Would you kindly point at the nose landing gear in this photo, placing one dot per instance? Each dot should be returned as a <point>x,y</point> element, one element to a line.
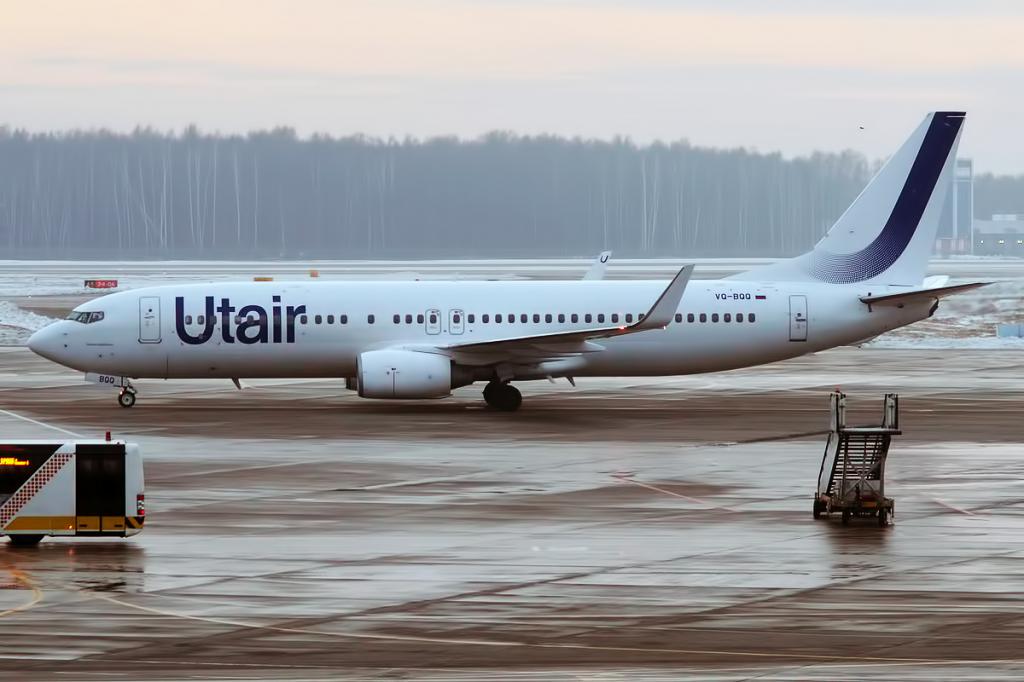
<point>126,398</point>
<point>502,396</point>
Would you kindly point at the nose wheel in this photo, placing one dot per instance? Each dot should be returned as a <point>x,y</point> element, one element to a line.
<point>126,398</point>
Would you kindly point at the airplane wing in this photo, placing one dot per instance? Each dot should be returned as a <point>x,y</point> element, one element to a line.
<point>599,267</point>
<point>917,295</point>
<point>555,345</point>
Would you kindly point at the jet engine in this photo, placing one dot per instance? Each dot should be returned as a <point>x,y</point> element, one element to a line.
<point>404,374</point>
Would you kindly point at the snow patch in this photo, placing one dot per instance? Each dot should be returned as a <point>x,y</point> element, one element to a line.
<point>16,325</point>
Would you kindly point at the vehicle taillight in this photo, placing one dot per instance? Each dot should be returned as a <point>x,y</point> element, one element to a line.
<point>140,505</point>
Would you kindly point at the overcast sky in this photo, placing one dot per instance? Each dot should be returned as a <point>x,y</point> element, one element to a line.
<point>790,75</point>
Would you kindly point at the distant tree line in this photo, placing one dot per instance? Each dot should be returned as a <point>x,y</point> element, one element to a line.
<point>272,194</point>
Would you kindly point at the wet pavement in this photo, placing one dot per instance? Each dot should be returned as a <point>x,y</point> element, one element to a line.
<point>625,529</point>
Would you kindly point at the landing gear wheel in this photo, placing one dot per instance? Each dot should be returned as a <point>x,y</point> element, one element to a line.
<point>25,540</point>
<point>491,391</point>
<point>883,518</point>
<point>511,399</point>
<point>846,517</point>
<point>819,508</point>
<point>126,398</point>
<point>504,397</point>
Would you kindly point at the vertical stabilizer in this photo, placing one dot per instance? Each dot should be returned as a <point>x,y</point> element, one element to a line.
<point>887,234</point>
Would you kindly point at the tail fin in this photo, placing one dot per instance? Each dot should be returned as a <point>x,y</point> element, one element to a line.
<point>887,234</point>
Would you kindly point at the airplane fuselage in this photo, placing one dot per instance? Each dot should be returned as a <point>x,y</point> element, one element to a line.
<point>319,329</point>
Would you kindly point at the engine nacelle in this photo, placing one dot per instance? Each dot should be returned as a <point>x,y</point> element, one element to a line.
<point>404,374</point>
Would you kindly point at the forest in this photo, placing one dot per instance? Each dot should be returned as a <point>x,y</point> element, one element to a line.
<point>274,194</point>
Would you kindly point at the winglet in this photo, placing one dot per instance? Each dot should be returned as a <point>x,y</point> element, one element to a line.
<point>664,309</point>
<point>597,269</point>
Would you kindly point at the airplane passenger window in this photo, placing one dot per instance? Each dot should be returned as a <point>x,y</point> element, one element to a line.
<point>714,317</point>
<point>319,319</point>
<point>703,317</point>
<point>188,319</point>
<point>497,318</point>
<point>433,318</point>
<point>640,317</point>
<point>739,317</point>
<point>524,318</point>
<point>485,318</point>
<point>615,318</point>
<point>727,317</point>
<point>511,318</point>
<point>679,317</point>
<point>369,319</point>
<point>574,318</point>
<point>397,319</point>
<point>561,317</point>
<point>689,317</point>
<point>408,318</point>
<point>750,317</point>
<point>419,319</point>
<point>201,320</point>
<point>303,319</point>
<point>547,318</point>
<point>629,317</point>
<point>456,318</point>
<point>343,319</point>
<point>471,318</point>
<point>330,319</point>
<point>600,317</point>
<point>588,317</point>
<point>536,318</point>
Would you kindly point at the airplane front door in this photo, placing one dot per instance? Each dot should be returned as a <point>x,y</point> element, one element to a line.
<point>797,318</point>
<point>149,319</point>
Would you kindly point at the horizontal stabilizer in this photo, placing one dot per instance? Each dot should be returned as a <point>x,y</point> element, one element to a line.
<point>934,293</point>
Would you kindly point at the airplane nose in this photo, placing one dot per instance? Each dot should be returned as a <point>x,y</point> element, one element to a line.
<point>46,342</point>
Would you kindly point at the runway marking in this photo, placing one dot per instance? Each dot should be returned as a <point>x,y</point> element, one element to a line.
<point>39,423</point>
<point>627,479</point>
<point>842,661</point>
<point>37,594</point>
<point>949,506</point>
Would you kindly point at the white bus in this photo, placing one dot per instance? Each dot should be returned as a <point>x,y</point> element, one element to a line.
<point>91,488</point>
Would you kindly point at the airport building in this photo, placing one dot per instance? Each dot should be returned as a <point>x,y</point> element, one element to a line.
<point>1003,235</point>
<point>956,222</point>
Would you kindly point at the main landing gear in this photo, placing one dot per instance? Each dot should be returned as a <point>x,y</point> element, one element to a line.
<point>502,396</point>
<point>126,398</point>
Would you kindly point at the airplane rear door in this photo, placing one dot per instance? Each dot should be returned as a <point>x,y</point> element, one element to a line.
<point>798,318</point>
<point>149,319</point>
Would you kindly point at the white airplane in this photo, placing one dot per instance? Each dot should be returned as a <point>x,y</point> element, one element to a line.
<point>422,339</point>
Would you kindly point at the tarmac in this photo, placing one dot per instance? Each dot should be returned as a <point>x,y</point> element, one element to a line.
<point>625,529</point>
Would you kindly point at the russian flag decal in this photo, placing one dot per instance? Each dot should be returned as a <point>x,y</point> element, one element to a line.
<point>760,297</point>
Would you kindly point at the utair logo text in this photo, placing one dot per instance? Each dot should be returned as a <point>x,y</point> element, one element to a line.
<point>253,325</point>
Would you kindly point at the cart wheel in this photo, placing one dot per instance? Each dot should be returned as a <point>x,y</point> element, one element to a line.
<point>819,508</point>
<point>846,517</point>
<point>25,540</point>
<point>883,518</point>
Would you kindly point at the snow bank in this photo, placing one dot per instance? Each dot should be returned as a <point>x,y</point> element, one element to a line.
<point>16,325</point>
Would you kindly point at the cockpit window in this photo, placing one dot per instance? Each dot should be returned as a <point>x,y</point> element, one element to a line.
<point>84,317</point>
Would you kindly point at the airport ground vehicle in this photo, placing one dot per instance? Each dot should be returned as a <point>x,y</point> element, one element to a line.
<point>89,488</point>
<point>851,480</point>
